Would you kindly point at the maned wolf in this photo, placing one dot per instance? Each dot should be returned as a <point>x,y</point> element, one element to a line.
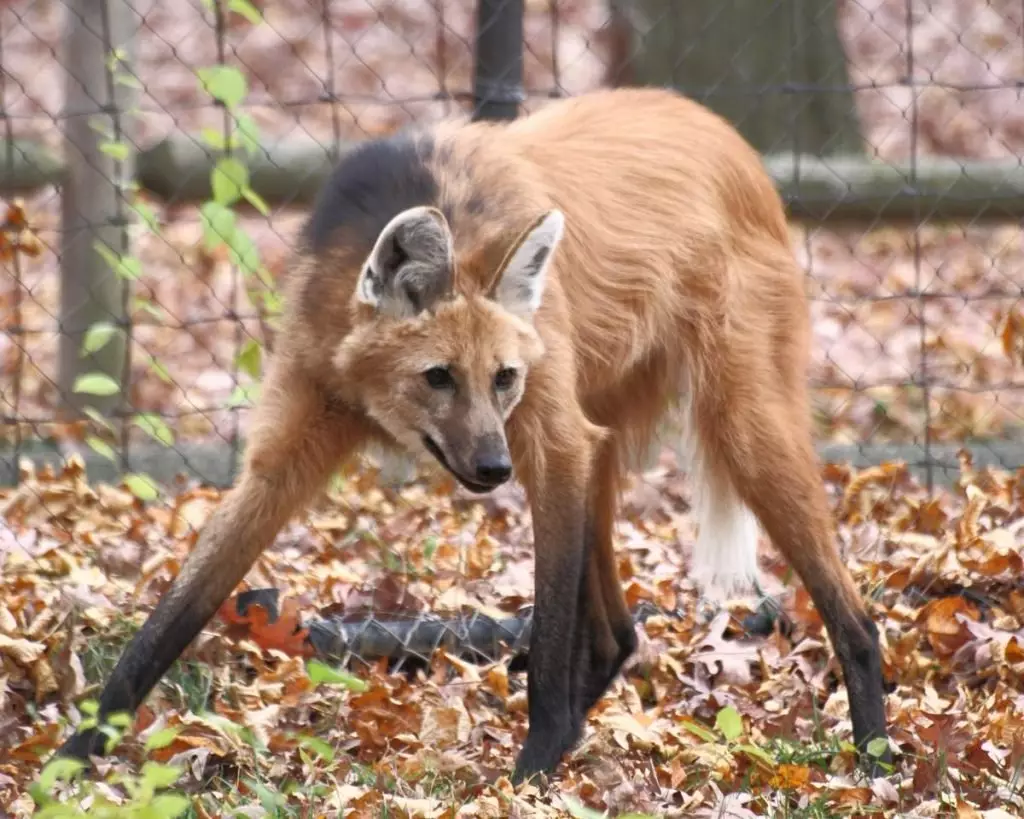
<point>537,298</point>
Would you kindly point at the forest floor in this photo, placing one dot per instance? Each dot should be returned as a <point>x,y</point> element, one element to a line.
<point>708,719</point>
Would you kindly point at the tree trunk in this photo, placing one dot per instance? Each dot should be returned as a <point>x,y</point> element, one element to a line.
<point>92,209</point>
<point>776,70</point>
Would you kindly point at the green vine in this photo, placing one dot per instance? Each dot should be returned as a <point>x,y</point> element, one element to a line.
<point>62,787</point>
<point>229,185</point>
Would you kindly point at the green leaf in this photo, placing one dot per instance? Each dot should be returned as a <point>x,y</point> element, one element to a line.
<point>322,673</point>
<point>142,486</point>
<point>122,719</point>
<point>101,127</point>
<point>98,419</point>
<point>272,302</point>
<point>127,80</point>
<point>318,746</point>
<point>112,734</point>
<point>97,336</point>
<point>878,746</point>
<point>244,395</point>
<point>729,722</point>
<point>228,179</point>
<point>147,214</point>
<point>60,769</point>
<point>127,267</point>
<point>162,738</point>
<point>116,150</point>
<point>158,776</point>
<point>756,753</point>
<point>224,83</point>
<point>247,10</point>
<point>160,371</point>
<point>248,133</point>
<point>101,447</point>
<point>699,730</point>
<point>244,253</point>
<point>168,806</point>
<point>155,426</point>
<point>256,200</point>
<point>96,384</point>
<point>42,799</point>
<point>429,547</point>
<point>116,56</point>
<point>213,138</point>
<point>264,277</point>
<point>579,810</point>
<point>58,810</point>
<point>218,224</point>
<point>268,798</point>
<point>147,307</point>
<point>248,358</point>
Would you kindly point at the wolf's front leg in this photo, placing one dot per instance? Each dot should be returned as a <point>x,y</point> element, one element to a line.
<point>558,484</point>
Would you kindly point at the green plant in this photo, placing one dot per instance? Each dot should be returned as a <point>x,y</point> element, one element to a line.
<point>145,793</point>
<point>730,729</point>
<point>230,185</point>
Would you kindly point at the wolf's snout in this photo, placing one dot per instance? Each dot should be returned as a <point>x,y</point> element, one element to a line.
<point>492,464</point>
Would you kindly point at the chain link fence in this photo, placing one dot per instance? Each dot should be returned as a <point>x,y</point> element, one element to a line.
<point>156,160</point>
<point>893,127</point>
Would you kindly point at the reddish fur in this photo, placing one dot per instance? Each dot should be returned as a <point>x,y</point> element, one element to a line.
<point>673,290</point>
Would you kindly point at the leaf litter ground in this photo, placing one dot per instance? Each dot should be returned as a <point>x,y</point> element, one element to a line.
<point>708,719</point>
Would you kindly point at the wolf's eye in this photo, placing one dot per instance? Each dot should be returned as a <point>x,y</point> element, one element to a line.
<point>504,378</point>
<point>439,378</point>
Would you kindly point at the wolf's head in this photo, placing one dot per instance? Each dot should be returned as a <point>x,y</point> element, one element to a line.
<point>437,368</point>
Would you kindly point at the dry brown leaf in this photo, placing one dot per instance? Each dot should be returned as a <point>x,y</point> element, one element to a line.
<point>945,632</point>
<point>968,532</point>
<point>445,726</point>
<point>22,651</point>
<point>966,811</point>
<point>497,680</point>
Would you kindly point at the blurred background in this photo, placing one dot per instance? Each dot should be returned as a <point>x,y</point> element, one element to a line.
<point>156,159</point>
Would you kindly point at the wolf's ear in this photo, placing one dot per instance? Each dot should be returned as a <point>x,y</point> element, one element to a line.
<point>410,267</point>
<point>519,284</point>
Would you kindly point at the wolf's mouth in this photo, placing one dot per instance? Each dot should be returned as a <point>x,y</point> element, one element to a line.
<point>471,485</point>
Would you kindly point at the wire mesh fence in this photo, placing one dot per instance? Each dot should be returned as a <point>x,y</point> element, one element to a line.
<point>165,155</point>
<point>894,129</point>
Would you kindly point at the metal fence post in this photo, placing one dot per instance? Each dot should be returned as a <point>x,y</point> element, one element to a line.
<point>498,77</point>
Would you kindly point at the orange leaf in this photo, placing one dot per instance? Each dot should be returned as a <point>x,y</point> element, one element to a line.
<point>15,216</point>
<point>888,471</point>
<point>282,632</point>
<point>965,811</point>
<point>186,742</point>
<point>791,776</point>
<point>1012,335</point>
<point>30,748</point>
<point>851,797</point>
